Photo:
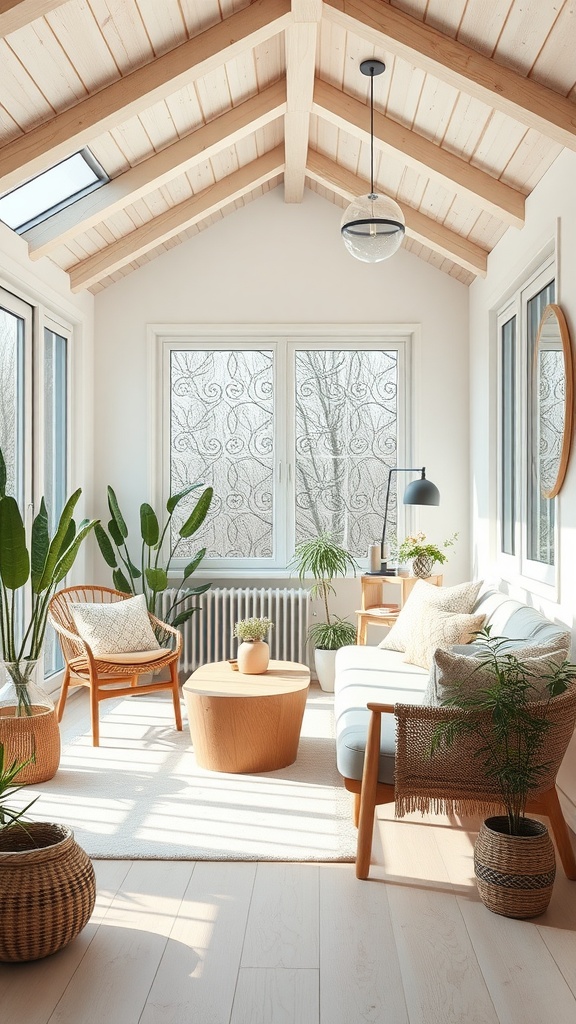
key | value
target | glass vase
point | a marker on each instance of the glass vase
(20, 694)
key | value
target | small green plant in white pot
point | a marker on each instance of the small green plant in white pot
(324, 560)
(253, 651)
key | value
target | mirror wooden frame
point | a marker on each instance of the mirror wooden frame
(554, 310)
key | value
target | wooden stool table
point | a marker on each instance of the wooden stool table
(243, 723)
(374, 590)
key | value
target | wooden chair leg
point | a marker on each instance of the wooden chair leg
(94, 713)
(549, 804)
(356, 809)
(368, 797)
(176, 695)
(63, 694)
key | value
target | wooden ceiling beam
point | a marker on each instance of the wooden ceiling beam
(224, 131)
(505, 90)
(486, 192)
(15, 14)
(69, 131)
(300, 46)
(177, 219)
(423, 229)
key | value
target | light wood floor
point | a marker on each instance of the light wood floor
(247, 943)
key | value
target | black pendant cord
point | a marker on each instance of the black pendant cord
(372, 134)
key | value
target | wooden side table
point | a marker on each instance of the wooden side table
(376, 593)
(246, 723)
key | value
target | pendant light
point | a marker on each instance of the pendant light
(372, 226)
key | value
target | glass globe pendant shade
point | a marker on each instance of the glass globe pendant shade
(372, 228)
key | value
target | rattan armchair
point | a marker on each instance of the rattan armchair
(105, 679)
(452, 781)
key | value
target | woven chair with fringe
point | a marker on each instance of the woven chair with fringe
(451, 782)
(103, 678)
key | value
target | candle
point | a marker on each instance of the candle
(374, 558)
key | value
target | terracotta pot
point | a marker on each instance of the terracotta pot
(515, 874)
(253, 657)
(48, 888)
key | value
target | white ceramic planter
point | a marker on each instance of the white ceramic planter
(325, 662)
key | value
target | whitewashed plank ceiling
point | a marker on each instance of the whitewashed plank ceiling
(195, 109)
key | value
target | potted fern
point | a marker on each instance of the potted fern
(508, 716)
(324, 560)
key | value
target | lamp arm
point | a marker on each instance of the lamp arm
(395, 469)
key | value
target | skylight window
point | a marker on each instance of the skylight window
(51, 191)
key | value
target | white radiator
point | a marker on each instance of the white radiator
(208, 635)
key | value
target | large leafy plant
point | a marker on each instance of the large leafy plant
(151, 577)
(324, 559)
(40, 564)
(502, 715)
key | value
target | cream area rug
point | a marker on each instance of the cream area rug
(142, 795)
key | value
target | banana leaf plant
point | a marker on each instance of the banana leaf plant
(151, 577)
(39, 565)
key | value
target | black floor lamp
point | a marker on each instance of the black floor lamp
(419, 492)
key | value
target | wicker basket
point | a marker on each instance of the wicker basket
(47, 890)
(515, 874)
(34, 736)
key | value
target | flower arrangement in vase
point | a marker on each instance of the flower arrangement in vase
(423, 554)
(253, 651)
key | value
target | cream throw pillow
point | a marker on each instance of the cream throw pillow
(439, 629)
(118, 628)
(424, 596)
(456, 671)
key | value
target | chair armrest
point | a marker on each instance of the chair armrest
(381, 709)
(155, 622)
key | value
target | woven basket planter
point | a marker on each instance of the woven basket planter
(422, 566)
(515, 874)
(47, 888)
(34, 736)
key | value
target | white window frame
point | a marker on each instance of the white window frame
(283, 339)
(518, 568)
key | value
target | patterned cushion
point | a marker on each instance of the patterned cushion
(439, 629)
(116, 628)
(457, 669)
(424, 596)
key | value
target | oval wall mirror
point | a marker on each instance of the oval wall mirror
(554, 399)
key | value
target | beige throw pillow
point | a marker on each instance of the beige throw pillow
(116, 628)
(439, 629)
(456, 671)
(423, 596)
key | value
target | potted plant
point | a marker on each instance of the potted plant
(422, 554)
(253, 651)
(30, 572)
(47, 881)
(324, 559)
(151, 578)
(507, 717)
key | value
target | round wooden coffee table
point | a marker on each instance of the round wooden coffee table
(242, 723)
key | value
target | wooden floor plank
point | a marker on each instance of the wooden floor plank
(113, 982)
(197, 976)
(268, 996)
(360, 977)
(558, 929)
(525, 983)
(30, 992)
(283, 923)
(442, 979)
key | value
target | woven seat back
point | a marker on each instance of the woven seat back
(452, 780)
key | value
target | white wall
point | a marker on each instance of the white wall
(276, 263)
(550, 211)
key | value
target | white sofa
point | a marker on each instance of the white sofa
(365, 674)
(366, 739)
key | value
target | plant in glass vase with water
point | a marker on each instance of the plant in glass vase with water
(30, 571)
